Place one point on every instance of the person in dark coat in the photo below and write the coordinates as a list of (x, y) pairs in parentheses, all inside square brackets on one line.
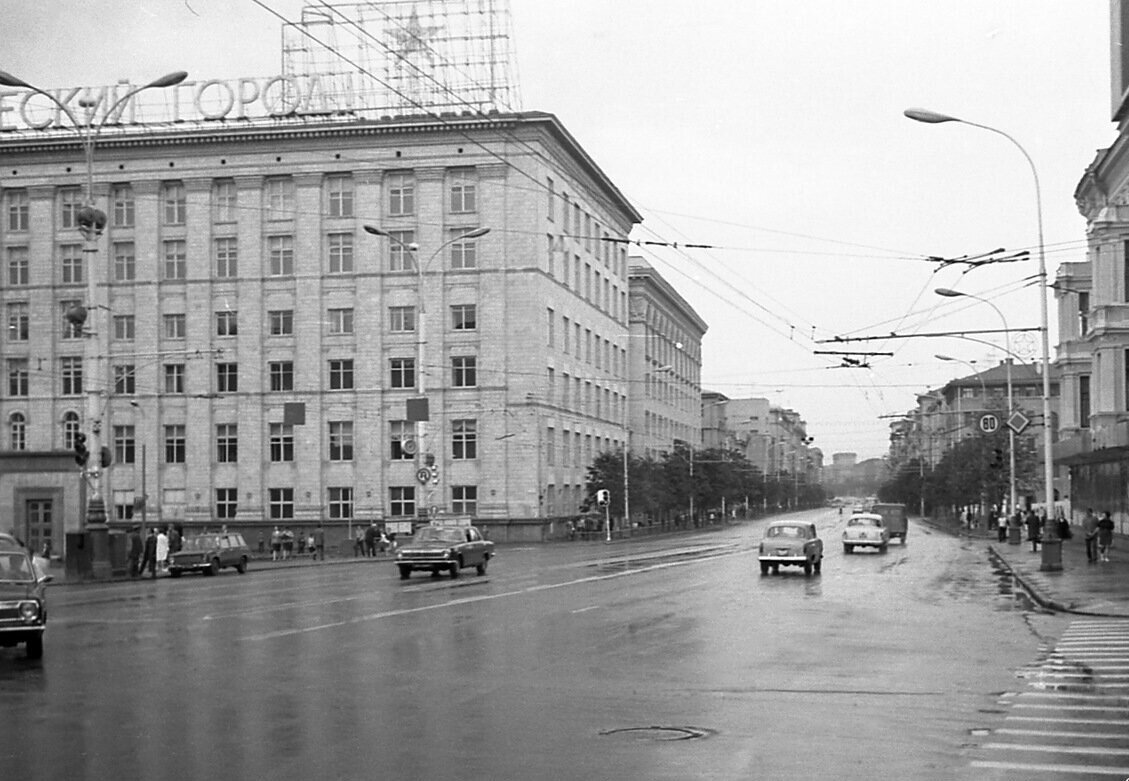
[(1105, 536), (370, 539), (319, 543), (1033, 529), (149, 558), (134, 550)]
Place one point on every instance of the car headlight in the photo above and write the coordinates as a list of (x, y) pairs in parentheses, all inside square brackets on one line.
[(399, 555), (29, 611), (447, 553)]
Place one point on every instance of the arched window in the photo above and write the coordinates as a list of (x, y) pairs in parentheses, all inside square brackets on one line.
[(70, 428), (17, 430)]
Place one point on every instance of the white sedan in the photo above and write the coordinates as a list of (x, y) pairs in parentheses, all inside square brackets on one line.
[(865, 530)]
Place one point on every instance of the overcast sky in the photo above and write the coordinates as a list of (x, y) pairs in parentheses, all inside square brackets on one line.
[(772, 129)]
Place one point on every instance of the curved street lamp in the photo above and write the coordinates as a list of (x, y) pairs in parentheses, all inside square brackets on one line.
[(934, 118)]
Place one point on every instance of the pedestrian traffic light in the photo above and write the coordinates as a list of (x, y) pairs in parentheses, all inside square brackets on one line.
[(81, 454), (603, 497), (107, 457), (997, 458)]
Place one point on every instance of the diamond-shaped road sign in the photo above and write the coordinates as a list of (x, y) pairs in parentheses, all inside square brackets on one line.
[(1017, 422)]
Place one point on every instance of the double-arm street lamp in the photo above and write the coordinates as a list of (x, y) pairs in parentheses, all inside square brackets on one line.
[(933, 118), (421, 415), (91, 221)]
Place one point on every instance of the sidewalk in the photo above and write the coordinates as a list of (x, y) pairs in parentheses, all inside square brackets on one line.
[(1099, 589)]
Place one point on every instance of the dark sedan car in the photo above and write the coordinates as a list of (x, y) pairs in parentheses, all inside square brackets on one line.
[(439, 548), (209, 553), (23, 599)]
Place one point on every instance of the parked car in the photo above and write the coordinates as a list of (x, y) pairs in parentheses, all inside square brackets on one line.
[(209, 553), (791, 544), (438, 548), (23, 598), (865, 530)]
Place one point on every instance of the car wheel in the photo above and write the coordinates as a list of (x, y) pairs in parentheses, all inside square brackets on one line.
[(34, 647), (882, 548), (775, 569), (241, 567), (819, 565), (764, 567), (848, 548), (481, 568), (174, 573), (455, 568), (214, 567), (807, 568), (405, 572)]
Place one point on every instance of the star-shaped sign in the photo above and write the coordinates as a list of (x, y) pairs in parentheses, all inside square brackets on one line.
[(413, 37)]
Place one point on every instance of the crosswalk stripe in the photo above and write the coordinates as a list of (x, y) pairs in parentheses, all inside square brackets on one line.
[(1047, 733), (1082, 750)]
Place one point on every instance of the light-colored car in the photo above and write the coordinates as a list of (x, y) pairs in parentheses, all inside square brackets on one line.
[(865, 530), (791, 544)]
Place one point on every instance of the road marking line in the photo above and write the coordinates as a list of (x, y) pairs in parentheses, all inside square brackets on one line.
[(1059, 734), (1104, 751), (1060, 720), (586, 609), (1033, 768)]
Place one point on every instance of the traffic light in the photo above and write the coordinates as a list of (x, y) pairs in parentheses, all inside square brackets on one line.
[(434, 474), (603, 497), (997, 458), (107, 457), (81, 454)]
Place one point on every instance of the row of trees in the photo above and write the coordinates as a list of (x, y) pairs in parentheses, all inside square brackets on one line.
[(663, 489), (975, 471)]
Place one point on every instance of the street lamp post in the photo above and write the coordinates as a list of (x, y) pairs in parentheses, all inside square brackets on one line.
[(933, 118), (1012, 496), (412, 249), (91, 221)]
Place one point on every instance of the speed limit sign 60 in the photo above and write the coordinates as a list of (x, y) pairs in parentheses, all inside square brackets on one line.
[(989, 423)]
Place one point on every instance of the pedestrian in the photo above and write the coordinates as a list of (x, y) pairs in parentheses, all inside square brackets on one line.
[(385, 543), (287, 543), (1033, 529), (370, 539), (317, 543), (359, 543), (1090, 534), (134, 549), (162, 550), (302, 540), (275, 544), (149, 556), (1001, 526), (1062, 526), (1105, 536), (176, 539), (262, 542)]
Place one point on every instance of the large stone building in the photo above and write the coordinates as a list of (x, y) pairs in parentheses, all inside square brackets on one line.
[(260, 347)]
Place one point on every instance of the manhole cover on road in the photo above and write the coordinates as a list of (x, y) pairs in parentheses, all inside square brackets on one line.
[(660, 733)]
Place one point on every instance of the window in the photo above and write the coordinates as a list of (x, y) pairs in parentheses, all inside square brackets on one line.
[(227, 323), (464, 252), (463, 317), (552, 330), (401, 318), (400, 248), (464, 372), (464, 499), (464, 439), (175, 259), (71, 329), (340, 321), (17, 431), (18, 322), (403, 373), (226, 257), (70, 428), (70, 201), (280, 252), (340, 440), (1083, 313), (281, 503), (402, 500), (71, 265), (125, 264), (18, 376), (174, 378), (340, 503), (125, 379), (1084, 401), (224, 201), (175, 203), (551, 446), (281, 322), (122, 206), (341, 253), (552, 212), (125, 328), (18, 267), (400, 431), (174, 326), (175, 444), (281, 442), (227, 443), (125, 445), (340, 190), (341, 374), (401, 194), (463, 192), (71, 374), (278, 198), (227, 503), (281, 375), (19, 214), (227, 377)]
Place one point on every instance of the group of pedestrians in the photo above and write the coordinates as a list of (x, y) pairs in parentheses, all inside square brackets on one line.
[(153, 552), (371, 540), (1098, 533)]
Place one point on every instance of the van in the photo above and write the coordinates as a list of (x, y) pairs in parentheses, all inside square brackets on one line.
[(894, 518)]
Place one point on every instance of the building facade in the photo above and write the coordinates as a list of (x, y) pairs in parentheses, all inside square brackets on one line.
[(262, 348)]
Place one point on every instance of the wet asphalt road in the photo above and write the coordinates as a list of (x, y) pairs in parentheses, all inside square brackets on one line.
[(655, 659)]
